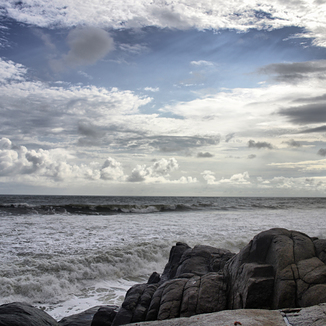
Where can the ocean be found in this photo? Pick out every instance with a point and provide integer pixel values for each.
(65, 254)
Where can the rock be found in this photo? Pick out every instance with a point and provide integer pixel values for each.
(154, 278)
(136, 304)
(82, 319)
(275, 270)
(278, 268)
(23, 314)
(244, 317)
(174, 260)
(104, 316)
(312, 316)
(320, 245)
(202, 260)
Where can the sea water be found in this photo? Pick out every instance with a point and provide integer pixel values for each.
(66, 254)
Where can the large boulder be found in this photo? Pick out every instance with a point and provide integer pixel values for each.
(104, 316)
(189, 285)
(23, 314)
(84, 318)
(277, 269)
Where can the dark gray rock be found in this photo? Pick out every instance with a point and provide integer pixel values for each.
(136, 304)
(23, 314)
(320, 245)
(174, 261)
(202, 260)
(154, 278)
(104, 316)
(82, 319)
(277, 269)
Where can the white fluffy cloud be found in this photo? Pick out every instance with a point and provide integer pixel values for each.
(17, 163)
(201, 14)
(112, 170)
(160, 170)
(236, 179)
(11, 71)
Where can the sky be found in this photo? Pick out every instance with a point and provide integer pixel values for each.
(163, 98)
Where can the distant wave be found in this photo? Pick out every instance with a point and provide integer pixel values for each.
(143, 205)
(22, 208)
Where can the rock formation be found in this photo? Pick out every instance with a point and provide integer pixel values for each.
(277, 269)
(23, 314)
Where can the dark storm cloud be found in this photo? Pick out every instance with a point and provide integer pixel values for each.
(259, 145)
(179, 143)
(311, 99)
(115, 135)
(204, 155)
(292, 143)
(322, 152)
(295, 72)
(310, 113)
(312, 130)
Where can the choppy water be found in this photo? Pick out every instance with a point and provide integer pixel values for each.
(67, 254)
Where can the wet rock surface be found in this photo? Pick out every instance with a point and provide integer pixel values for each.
(23, 314)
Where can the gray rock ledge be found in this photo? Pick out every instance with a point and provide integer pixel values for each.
(311, 316)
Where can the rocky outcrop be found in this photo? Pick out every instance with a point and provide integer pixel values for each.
(23, 314)
(277, 269)
(192, 283)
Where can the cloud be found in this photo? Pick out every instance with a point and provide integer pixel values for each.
(201, 14)
(313, 130)
(304, 166)
(159, 170)
(251, 156)
(310, 99)
(292, 143)
(228, 137)
(204, 155)
(17, 163)
(134, 49)
(152, 89)
(294, 184)
(305, 114)
(168, 144)
(87, 46)
(201, 63)
(322, 152)
(11, 71)
(296, 71)
(42, 108)
(112, 170)
(46, 38)
(236, 179)
(259, 145)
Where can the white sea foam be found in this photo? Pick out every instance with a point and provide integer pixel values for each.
(67, 263)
